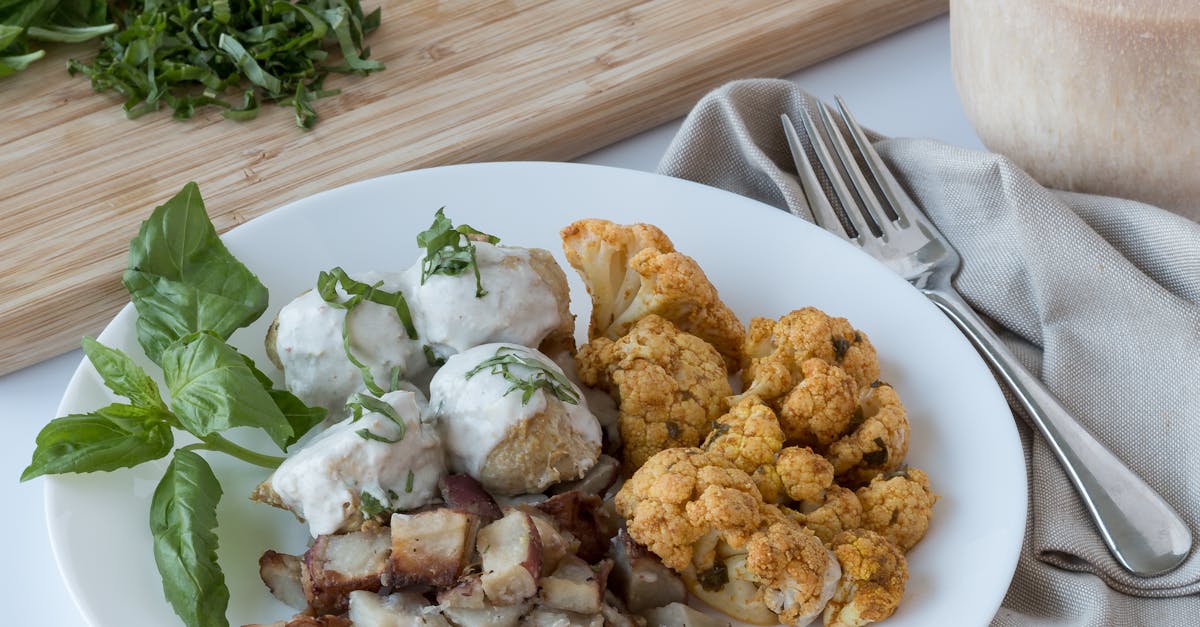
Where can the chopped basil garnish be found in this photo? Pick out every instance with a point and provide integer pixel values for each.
(714, 578)
(840, 346)
(187, 54)
(432, 358)
(360, 403)
(408, 484)
(877, 457)
(450, 250)
(369, 505)
(357, 293)
(532, 375)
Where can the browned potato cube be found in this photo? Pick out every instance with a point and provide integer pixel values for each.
(431, 547)
(512, 558)
(336, 565)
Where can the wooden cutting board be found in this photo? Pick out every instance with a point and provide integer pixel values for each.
(465, 81)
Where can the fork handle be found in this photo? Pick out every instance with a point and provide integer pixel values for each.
(1142, 531)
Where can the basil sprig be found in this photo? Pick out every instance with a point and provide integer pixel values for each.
(531, 375)
(450, 249)
(182, 279)
(191, 294)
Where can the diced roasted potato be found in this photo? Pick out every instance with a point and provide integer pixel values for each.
(281, 573)
(336, 565)
(598, 478)
(639, 579)
(489, 616)
(512, 558)
(464, 493)
(572, 587)
(402, 609)
(301, 620)
(680, 615)
(614, 616)
(583, 516)
(556, 544)
(466, 594)
(431, 547)
(547, 617)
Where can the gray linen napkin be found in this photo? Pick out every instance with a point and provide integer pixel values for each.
(1100, 296)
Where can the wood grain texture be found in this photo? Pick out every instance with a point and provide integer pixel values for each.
(466, 81)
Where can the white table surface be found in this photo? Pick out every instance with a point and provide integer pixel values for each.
(899, 86)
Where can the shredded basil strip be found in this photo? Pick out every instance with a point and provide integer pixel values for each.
(369, 505)
(358, 404)
(538, 375)
(408, 484)
(450, 250)
(188, 54)
(358, 292)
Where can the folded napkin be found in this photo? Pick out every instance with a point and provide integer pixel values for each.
(1099, 296)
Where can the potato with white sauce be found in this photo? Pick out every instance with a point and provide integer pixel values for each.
(306, 340)
(520, 296)
(386, 459)
(511, 419)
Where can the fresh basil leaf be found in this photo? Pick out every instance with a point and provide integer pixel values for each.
(117, 436)
(213, 389)
(123, 376)
(300, 416)
(183, 279)
(183, 517)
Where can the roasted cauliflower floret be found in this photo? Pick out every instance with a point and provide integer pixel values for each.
(876, 445)
(898, 506)
(749, 436)
(840, 512)
(669, 386)
(633, 271)
(820, 408)
(774, 351)
(796, 574)
(804, 475)
(874, 573)
(680, 496)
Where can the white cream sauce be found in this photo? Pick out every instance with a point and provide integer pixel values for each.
(322, 482)
(475, 414)
(519, 306)
(309, 344)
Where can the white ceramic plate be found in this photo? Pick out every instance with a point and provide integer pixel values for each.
(764, 262)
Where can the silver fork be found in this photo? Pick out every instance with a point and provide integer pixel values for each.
(1143, 532)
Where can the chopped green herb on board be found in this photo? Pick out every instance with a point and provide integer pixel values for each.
(231, 54)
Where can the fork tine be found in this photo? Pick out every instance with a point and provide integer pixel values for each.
(883, 176)
(823, 213)
(830, 166)
(870, 203)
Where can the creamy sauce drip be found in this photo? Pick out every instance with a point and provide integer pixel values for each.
(322, 481)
